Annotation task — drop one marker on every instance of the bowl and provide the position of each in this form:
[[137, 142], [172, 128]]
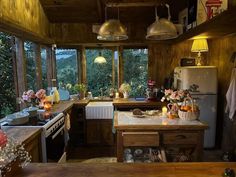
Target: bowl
[[18, 118], [31, 110]]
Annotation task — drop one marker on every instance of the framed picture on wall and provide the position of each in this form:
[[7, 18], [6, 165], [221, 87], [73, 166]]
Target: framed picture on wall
[[183, 19]]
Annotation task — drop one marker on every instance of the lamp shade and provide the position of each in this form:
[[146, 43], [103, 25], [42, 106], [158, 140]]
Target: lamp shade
[[199, 45], [112, 30], [162, 29], [100, 59]]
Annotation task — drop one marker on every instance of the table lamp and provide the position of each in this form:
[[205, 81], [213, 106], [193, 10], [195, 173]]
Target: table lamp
[[199, 45]]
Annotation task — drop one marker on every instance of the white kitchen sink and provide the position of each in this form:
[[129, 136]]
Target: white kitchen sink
[[99, 110]]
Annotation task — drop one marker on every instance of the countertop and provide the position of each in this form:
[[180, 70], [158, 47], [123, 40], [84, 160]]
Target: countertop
[[203, 169], [24, 135], [126, 120], [64, 106]]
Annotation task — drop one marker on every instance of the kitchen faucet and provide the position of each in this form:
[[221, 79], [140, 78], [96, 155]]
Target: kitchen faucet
[[101, 93]]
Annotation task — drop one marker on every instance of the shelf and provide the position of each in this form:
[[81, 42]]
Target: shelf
[[219, 26]]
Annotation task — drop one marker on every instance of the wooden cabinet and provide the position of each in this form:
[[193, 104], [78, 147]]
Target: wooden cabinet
[[140, 138], [78, 126], [176, 139], [33, 147], [99, 132]]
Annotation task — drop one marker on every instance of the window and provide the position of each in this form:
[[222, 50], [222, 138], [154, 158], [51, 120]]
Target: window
[[67, 70], [7, 88], [99, 76], [44, 67], [30, 65], [135, 70]]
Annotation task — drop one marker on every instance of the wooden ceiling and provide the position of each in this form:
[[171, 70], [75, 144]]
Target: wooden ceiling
[[93, 11]]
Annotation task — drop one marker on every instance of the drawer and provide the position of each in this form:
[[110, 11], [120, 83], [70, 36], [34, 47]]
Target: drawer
[[180, 138], [140, 138]]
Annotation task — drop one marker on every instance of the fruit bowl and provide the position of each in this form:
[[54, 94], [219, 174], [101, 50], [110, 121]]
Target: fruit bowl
[[183, 115], [189, 112]]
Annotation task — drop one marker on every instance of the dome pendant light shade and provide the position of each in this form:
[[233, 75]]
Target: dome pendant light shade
[[161, 29], [100, 59], [112, 30]]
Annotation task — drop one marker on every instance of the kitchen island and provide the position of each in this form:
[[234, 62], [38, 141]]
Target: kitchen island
[[121, 169], [179, 139]]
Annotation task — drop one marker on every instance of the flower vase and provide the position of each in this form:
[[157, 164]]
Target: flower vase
[[81, 95], [173, 110], [126, 95]]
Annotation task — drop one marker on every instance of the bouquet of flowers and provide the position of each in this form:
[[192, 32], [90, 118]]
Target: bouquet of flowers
[[125, 87], [175, 96], [41, 94], [29, 97], [11, 152]]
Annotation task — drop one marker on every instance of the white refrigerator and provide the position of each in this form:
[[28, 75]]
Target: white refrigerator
[[202, 83]]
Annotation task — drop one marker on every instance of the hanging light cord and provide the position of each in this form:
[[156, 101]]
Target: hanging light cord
[[168, 8], [157, 18]]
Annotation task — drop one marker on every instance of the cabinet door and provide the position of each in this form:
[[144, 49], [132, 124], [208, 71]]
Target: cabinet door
[[93, 132], [107, 137]]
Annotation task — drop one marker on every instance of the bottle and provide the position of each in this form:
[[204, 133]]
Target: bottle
[[56, 96]]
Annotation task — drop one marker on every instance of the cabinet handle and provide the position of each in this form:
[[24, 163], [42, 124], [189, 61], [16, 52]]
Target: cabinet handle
[[180, 137]]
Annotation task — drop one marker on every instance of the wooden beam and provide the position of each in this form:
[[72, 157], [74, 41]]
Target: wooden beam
[[20, 67], [54, 68], [99, 9], [132, 4], [79, 65], [38, 62], [83, 65], [120, 66], [49, 66]]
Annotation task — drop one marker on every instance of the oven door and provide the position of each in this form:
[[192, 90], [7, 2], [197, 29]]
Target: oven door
[[55, 144]]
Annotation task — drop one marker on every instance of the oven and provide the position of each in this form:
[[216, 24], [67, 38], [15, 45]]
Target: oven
[[54, 139]]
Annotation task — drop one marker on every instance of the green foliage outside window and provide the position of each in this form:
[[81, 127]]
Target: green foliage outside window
[[135, 70], [99, 76], [30, 65], [7, 90], [67, 72]]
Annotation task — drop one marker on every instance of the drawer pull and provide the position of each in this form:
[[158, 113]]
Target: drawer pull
[[180, 137]]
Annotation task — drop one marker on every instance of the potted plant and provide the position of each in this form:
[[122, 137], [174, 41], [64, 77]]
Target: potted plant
[[81, 89], [125, 88]]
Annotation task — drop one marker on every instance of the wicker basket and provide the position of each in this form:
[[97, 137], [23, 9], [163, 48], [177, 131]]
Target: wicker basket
[[193, 115]]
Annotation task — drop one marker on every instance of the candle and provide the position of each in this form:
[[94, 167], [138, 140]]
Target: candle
[[47, 106], [164, 111], [117, 94]]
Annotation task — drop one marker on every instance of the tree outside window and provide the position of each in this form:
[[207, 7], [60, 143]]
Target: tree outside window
[[136, 70]]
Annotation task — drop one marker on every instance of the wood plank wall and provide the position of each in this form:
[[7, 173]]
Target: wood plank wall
[[25, 19], [220, 51]]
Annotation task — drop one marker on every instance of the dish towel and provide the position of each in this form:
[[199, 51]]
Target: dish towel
[[67, 122], [231, 96]]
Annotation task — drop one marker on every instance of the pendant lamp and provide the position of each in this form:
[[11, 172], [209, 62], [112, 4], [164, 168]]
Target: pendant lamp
[[100, 59], [112, 30], [161, 29]]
